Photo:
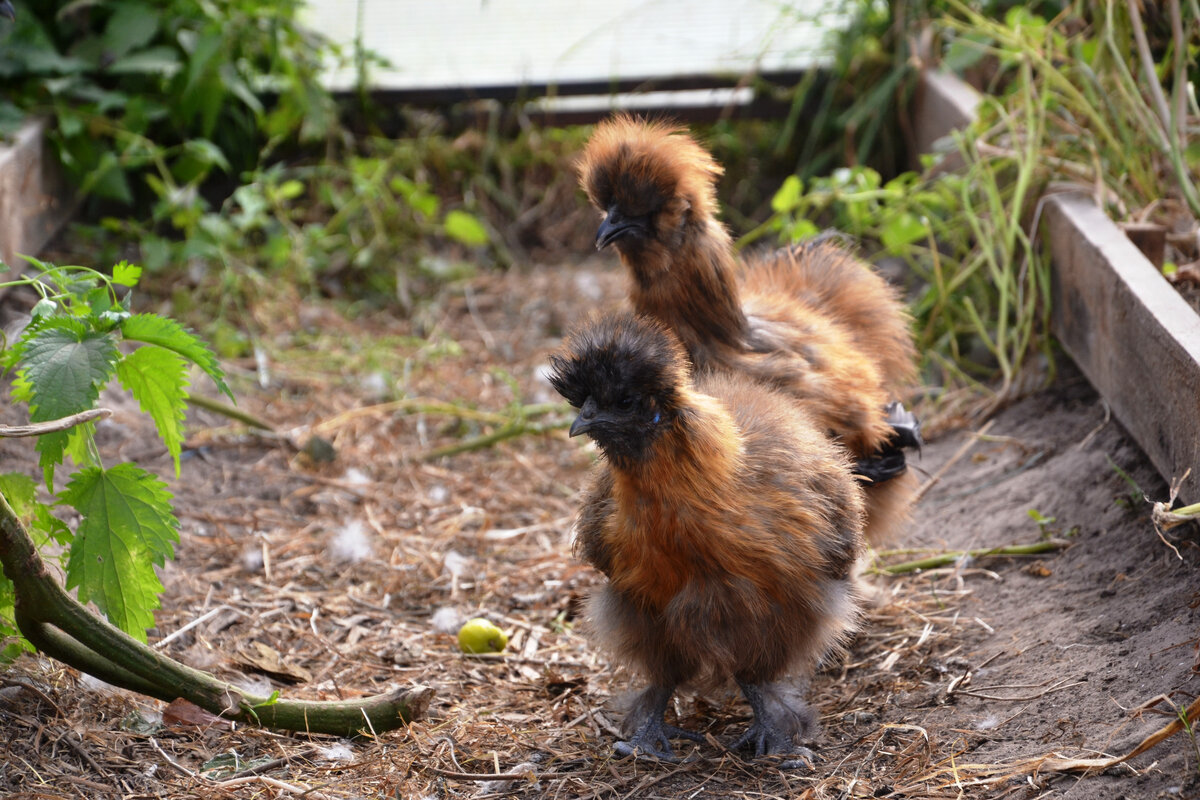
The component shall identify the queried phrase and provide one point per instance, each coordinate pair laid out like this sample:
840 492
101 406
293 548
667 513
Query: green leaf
126 274
902 230
126 529
965 52
164 332
131 26
64 364
21 493
288 190
803 228
157 378
207 153
788 196
161 60
465 228
44 308
12 643
108 180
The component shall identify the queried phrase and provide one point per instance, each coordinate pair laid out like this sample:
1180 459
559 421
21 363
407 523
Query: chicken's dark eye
626 403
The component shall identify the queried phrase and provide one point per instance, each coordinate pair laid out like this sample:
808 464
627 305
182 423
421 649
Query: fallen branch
951 557
63 629
55 425
958 454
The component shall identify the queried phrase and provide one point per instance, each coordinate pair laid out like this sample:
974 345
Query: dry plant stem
56 623
1059 764
1143 46
954 459
53 426
945 559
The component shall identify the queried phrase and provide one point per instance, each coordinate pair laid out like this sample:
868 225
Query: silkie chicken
811 319
728 526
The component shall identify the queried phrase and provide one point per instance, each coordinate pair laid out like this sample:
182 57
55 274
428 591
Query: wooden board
35 199
1130 332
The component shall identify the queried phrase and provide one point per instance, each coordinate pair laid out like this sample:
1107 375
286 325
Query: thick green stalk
61 627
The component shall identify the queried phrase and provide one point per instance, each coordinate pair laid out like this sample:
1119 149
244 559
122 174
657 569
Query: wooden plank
35 198
1130 332
941 103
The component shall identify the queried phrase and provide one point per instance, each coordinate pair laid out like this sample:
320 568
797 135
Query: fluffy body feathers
811 320
727 524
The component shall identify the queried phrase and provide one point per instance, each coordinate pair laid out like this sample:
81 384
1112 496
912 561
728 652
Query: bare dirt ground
337 578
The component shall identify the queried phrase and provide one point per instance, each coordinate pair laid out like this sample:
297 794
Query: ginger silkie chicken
811 320
728 526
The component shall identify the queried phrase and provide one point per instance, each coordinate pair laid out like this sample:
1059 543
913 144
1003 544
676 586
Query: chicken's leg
780 715
651 736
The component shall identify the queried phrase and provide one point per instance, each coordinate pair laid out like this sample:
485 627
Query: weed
1134 496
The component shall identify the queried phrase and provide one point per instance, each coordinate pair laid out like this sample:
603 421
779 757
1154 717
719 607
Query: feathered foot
780 715
651 736
889 461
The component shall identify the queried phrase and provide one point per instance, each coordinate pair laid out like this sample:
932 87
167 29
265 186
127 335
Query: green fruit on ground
481 636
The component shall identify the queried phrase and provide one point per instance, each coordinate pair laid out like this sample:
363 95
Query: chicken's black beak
7 10
616 225
587 418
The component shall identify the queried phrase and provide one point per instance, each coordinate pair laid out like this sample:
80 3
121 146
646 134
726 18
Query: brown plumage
812 319
727 523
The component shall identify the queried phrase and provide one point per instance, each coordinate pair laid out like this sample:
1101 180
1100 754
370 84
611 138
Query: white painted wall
467 43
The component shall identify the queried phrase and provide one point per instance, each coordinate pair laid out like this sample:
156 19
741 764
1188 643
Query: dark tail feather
889 461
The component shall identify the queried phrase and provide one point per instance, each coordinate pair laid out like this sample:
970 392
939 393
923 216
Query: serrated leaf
157 379
44 308
126 274
465 228
64 364
79 441
164 332
126 529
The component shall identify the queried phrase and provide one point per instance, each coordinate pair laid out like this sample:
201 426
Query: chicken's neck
691 286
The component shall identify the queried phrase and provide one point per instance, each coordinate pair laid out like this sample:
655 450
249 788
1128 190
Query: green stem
946 559
510 431
230 411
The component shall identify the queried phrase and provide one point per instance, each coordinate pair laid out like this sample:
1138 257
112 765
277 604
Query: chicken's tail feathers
906 426
890 461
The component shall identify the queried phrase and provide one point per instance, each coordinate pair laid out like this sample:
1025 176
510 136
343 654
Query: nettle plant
82 335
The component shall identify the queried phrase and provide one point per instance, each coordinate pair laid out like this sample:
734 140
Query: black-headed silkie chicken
728 525
812 319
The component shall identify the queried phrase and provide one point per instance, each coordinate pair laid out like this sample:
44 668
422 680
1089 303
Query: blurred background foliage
208 151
